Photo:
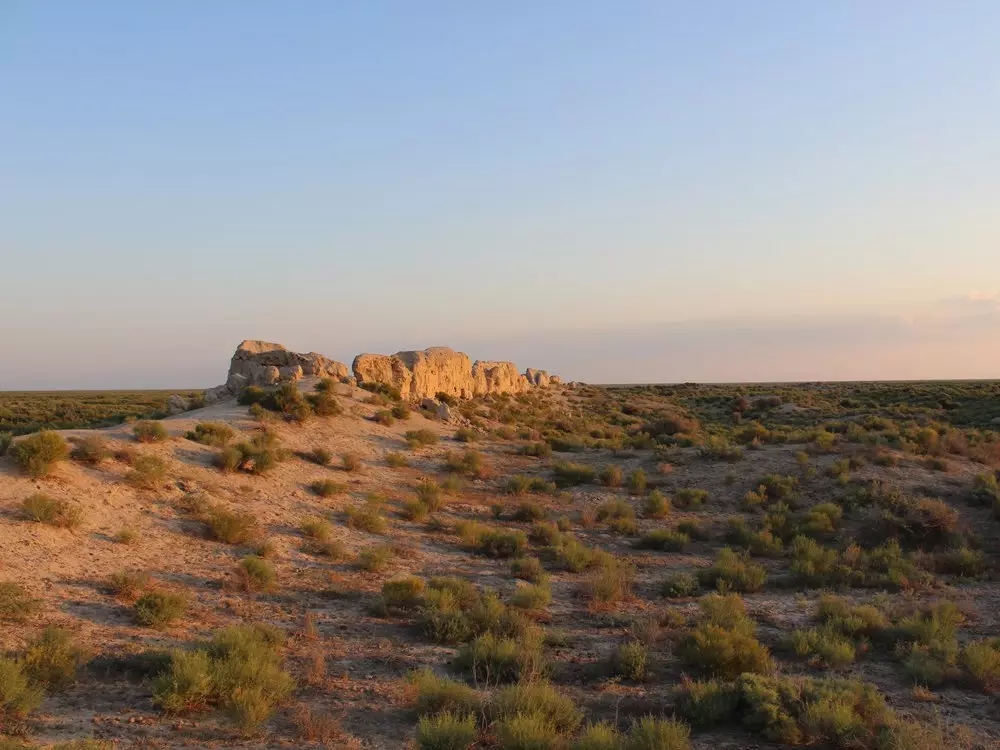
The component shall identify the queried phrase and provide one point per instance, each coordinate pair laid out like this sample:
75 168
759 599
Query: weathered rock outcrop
537 377
264 363
423 374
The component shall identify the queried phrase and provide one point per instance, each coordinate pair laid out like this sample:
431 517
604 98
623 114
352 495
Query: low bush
432 694
420 438
402 593
90 450
757 542
656 505
429 493
158 609
707 703
147 431
528 512
823 647
469 463
320 456
128 585
538 450
256 574
724 643
466 435
666 540
981 660
532 597
148 472
637 482
610 476
690 497
528 569
653 733
446 731
491 659
261 453
816 565
679 585
52 659
15 603
215 434
232 527
376 558
601 736
52 511
328 487
569 474
610 583
37 454
630 661
540 699
367 518
396 460
19 695
734 572
500 543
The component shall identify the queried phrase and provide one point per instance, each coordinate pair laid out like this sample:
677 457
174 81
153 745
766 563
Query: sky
615 191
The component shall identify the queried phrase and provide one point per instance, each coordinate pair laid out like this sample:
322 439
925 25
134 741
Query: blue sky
616 191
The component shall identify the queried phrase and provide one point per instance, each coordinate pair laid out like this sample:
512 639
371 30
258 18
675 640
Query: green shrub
491 659
215 434
706 703
146 431
257 455
985 490
690 497
158 609
575 556
414 510
148 472
15 603
396 460
652 733
19 696
420 438
680 585
432 694
446 731
963 561
568 474
656 505
36 454
885 565
500 543
610 583
758 542
384 417
823 518
429 493
615 510
250 395
328 488
734 572
403 593
981 660
528 569
666 540
319 456
368 518
532 597
723 644
466 463
541 699
538 450
637 482
602 736
256 574
90 450
528 731
629 660
611 476
51 511
528 512
823 646
127 584
376 558
52 659
232 527
719 448
466 435
6 440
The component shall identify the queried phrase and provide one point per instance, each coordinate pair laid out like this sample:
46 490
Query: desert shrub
446 731
538 450
327 487
367 518
540 699
985 490
690 497
528 512
706 703
36 454
148 472
724 643
637 482
15 603
630 660
432 694
90 450
128 584
420 438
239 671
823 518
925 522
568 474
376 558
232 527
653 733
610 583
19 695
324 404
396 460
615 510
319 456
414 510
734 572
250 395
850 620
257 455
466 435
601 736
6 440
467 463
127 536
500 543
823 647
52 659
758 542
384 417
526 731
960 562
52 511
716 447
532 597
146 431
575 556
528 569
403 593
158 609
610 476
656 505
491 659
429 493
679 585
933 647
666 540
816 565
981 659
211 433
256 574
545 533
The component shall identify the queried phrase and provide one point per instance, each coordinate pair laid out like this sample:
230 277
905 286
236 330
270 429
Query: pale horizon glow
616 192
